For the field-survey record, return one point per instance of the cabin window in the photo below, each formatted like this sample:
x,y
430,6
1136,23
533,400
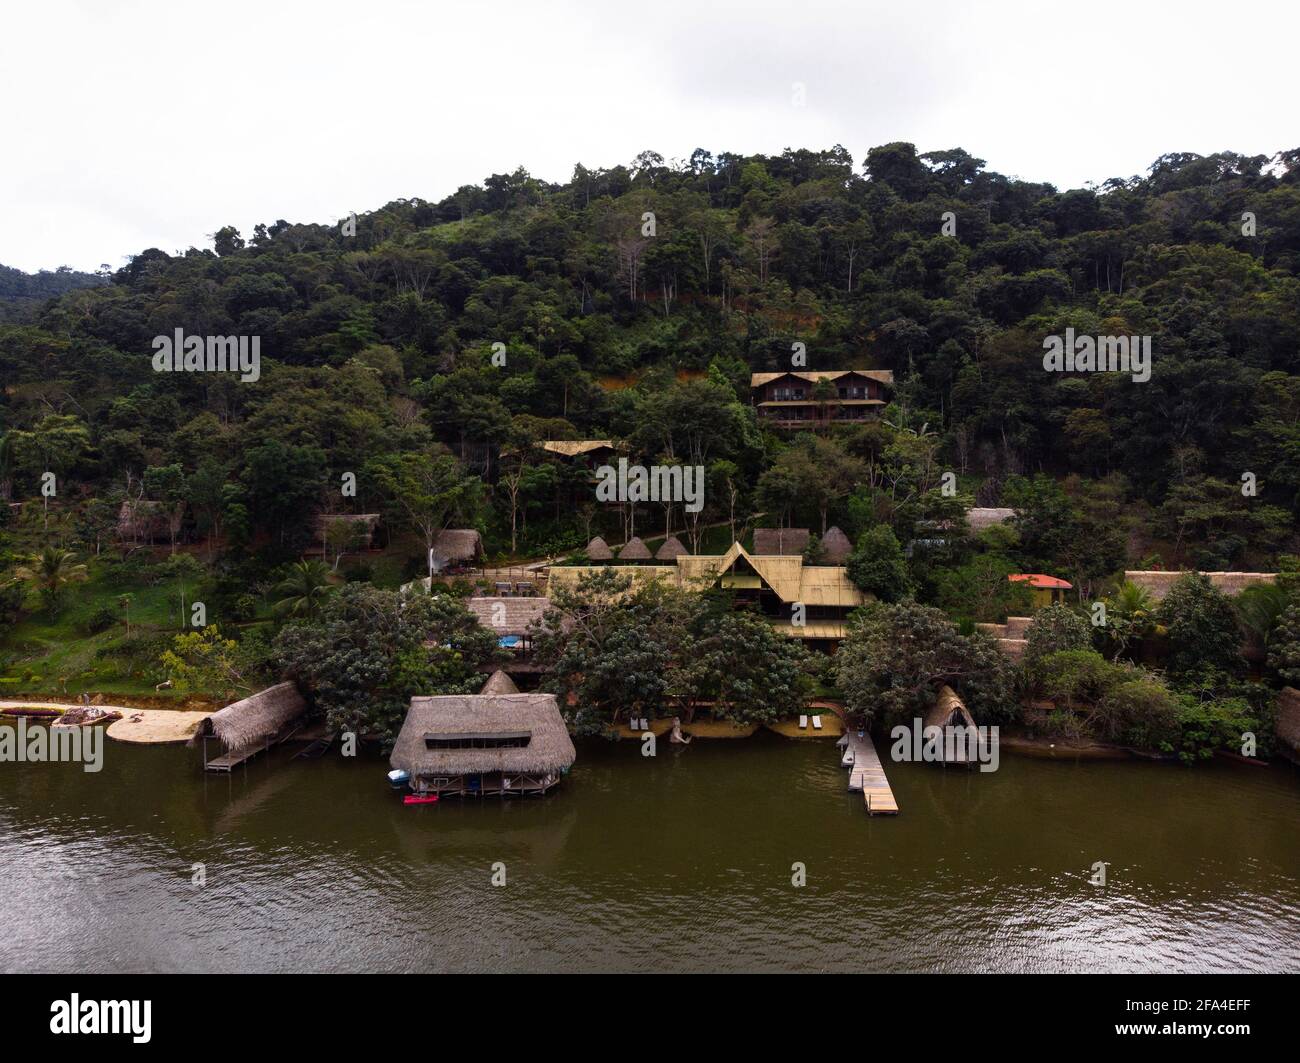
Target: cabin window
x,y
504,740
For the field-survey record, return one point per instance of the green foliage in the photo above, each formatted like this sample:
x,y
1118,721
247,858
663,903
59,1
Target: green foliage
x,y
1202,627
896,658
1107,701
365,656
877,565
1053,629
1284,646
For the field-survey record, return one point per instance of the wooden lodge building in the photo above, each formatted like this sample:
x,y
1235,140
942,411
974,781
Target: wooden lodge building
x,y
793,400
496,743
779,586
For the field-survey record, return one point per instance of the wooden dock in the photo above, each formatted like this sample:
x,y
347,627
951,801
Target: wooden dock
x,y
230,760
867,774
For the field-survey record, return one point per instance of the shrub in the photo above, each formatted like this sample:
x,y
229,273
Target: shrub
x,y
101,619
1202,627
1056,629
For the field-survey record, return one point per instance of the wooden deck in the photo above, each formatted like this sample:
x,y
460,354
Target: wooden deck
x,y
231,759
867,774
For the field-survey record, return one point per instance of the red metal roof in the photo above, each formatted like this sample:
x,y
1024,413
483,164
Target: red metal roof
x,y
1040,582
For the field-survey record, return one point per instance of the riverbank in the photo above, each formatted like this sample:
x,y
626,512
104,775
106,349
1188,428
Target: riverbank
x,y
139,725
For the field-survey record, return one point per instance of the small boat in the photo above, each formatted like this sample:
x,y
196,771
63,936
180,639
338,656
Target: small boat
x,y
398,778
417,799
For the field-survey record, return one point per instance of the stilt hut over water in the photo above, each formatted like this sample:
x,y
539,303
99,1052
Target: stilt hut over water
x,y
253,725
475,745
948,711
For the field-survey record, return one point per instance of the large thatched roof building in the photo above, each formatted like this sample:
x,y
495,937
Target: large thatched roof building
x,y
255,723
774,542
476,744
508,616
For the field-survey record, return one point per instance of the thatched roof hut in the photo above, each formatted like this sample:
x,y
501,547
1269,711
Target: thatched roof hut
x,y
255,720
1288,723
948,710
774,542
1158,584
671,550
476,734
457,546
634,550
499,683
572,448
598,550
836,547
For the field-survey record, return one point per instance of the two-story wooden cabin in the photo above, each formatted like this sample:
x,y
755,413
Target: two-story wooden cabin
x,y
794,400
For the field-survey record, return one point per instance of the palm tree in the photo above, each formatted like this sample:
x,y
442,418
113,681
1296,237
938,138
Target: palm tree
x,y
1130,616
305,589
1259,607
50,572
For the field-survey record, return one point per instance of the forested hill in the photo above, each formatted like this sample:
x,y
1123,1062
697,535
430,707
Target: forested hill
x,y
15,285
381,342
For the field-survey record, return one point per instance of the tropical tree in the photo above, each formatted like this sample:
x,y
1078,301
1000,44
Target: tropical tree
x,y
50,573
304,590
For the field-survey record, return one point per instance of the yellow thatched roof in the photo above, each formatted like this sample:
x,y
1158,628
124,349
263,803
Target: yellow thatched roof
x,y
828,585
571,448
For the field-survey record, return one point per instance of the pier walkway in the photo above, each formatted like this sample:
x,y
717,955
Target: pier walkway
x,y
867,774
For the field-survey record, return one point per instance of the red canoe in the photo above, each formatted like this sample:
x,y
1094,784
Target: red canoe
x,y
412,799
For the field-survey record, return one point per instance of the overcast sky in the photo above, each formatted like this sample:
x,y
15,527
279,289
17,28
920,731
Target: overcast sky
x,y
136,124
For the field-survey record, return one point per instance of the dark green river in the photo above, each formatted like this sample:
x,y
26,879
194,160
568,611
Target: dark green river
x,y
676,863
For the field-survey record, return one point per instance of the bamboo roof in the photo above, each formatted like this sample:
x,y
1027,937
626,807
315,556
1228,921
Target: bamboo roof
x,y
1158,584
257,718
598,550
549,747
671,550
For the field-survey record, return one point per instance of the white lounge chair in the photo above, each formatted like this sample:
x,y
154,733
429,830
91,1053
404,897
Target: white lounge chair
x,y
803,722
817,723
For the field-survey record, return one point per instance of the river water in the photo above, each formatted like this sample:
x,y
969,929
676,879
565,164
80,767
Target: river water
x,y
681,862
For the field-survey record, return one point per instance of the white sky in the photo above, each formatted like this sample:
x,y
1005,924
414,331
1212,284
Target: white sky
x,y
133,123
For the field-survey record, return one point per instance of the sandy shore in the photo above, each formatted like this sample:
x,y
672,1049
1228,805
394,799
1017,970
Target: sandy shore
x,y
143,726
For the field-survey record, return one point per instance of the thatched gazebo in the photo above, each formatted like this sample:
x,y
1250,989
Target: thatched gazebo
x,y
635,550
499,683
774,542
252,725
457,547
478,744
836,547
598,550
671,550
948,711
